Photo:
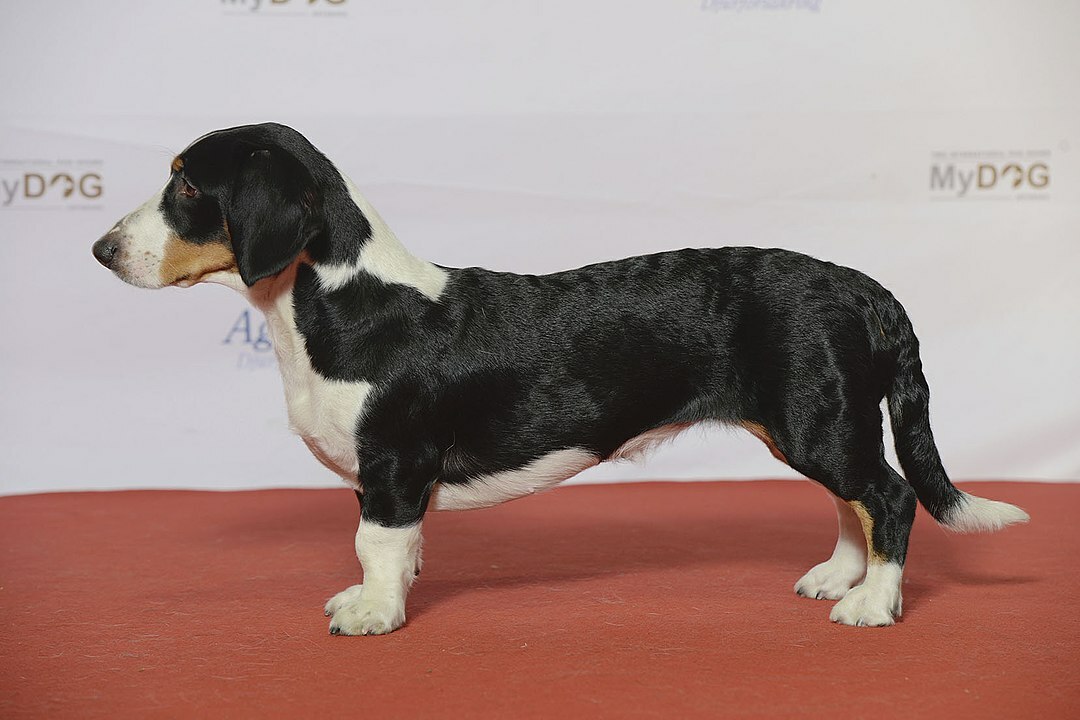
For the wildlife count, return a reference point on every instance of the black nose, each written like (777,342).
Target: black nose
(105,249)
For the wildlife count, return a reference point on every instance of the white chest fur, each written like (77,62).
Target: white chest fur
(323,412)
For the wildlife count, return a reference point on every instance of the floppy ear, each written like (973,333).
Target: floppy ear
(268,214)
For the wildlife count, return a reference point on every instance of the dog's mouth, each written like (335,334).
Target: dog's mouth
(194,278)
(136,279)
(183,282)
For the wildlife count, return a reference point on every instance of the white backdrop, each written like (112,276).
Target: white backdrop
(933,145)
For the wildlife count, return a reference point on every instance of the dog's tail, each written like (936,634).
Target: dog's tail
(909,412)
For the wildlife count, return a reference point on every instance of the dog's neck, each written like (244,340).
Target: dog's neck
(382,256)
(382,267)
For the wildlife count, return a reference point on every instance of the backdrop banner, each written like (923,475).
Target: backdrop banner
(932,145)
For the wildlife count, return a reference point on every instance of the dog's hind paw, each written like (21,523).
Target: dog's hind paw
(867,607)
(830,580)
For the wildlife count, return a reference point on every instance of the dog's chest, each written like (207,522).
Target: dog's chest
(323,412)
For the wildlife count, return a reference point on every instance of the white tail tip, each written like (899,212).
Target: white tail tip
(976,514)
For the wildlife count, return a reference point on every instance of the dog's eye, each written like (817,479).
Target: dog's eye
(187,189)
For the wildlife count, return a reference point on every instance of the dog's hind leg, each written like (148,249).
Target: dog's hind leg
(875,507)
(885,508)
(832,579)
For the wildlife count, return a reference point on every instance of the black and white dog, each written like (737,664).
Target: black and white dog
(424,386)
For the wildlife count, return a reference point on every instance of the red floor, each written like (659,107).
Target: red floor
(654,600)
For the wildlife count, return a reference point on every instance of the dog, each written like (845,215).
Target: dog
(430,387)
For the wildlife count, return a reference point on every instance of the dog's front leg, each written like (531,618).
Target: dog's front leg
(388,556)
(388,546)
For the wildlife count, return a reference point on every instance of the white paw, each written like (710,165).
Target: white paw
(831,579)
(356,612)
(867,606)
(345,597)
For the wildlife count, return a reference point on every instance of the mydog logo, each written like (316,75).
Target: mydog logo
(248,334)
(990,175)
(51,184)
(284,7)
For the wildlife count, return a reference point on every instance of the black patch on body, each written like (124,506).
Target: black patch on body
(506,368)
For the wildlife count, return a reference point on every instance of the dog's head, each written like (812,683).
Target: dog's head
(240,203)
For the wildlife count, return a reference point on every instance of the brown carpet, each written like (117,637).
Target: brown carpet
(654,600)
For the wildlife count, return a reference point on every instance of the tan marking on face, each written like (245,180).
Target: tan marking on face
(759,431)
(188,263)
(177,164)
(867,522)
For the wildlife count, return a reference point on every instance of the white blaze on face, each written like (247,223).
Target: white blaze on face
(150,254)
(143,236)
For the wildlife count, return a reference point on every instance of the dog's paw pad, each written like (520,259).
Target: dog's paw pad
(831,580)
(866,607)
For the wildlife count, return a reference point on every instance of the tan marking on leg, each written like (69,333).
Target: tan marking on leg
(177,164)
(187,263)
(872,555)
(759,431)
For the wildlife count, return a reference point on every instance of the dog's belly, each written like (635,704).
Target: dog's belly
(487,490)
(636,447)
